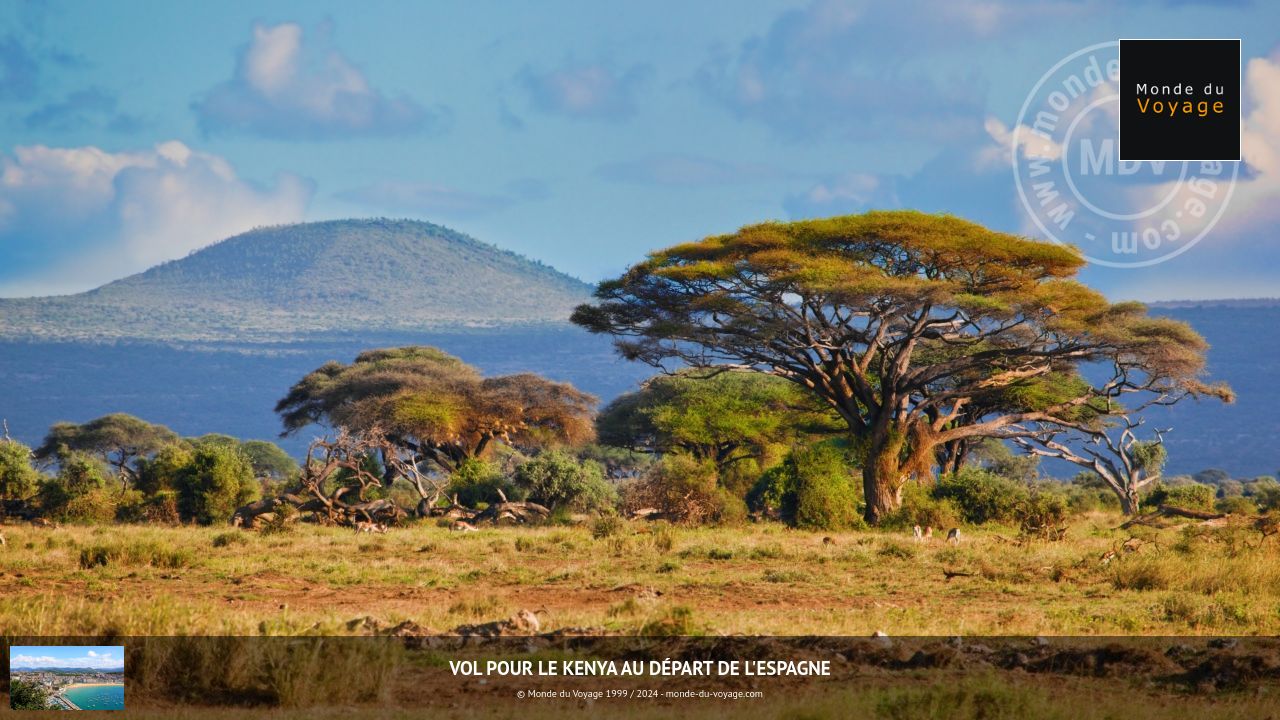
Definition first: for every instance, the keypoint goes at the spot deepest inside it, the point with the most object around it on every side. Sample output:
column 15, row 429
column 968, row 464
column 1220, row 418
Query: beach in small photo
column 66, row 677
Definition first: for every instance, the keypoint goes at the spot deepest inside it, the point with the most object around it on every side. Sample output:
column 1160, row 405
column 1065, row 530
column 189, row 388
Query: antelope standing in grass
column 368, row 527
column 953, row 536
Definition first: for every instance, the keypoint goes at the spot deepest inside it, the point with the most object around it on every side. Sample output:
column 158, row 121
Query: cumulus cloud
column 73, row 218
column 289, row 87
column 90, row 660
column 592, row 91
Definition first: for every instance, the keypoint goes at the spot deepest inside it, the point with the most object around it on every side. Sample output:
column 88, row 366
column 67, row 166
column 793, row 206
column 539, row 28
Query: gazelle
column 953, row 536
column 368, row 527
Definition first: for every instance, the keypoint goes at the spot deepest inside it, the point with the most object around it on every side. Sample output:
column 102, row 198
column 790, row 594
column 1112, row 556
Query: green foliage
column 218, row 480
column 995, row 455
column 729, row 419
column 270, row 460
column 18, row 479
column 24, row 695
column 607, row 526
column 160, row 472
column 477, row 481
column 1236, row 505
column 292, row 281
column 555, row 478
column 980, row 495
column 684, row 490
column 1266, row 495
column 813, row 488
column 118, row 438
column 1193, row 496
column 1042, row 514
column 920, row 507
column 78, row 493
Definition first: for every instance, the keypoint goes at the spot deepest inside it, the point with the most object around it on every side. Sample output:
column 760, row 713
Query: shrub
column 227, row 539
column 680, row 488
column 813, row 488
column 476, row 481
column 160, row 473
column 92, row 507
column 218, row 480
column 1042, row 514
column 607, row 526
column 1236, row 505
column 1266, row 495
column 557, row 479
column 18, row 480
column 1192, row 496
column 920, row 507
column 78, row 493
column 981, row 496
column 136, row 552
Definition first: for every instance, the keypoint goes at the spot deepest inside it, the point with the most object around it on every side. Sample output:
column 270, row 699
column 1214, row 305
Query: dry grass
column 758, row 579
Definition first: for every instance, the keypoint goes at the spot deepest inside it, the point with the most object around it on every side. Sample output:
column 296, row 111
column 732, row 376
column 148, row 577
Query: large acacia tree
column 919, row 330
column 434, row 410
column 119, row 439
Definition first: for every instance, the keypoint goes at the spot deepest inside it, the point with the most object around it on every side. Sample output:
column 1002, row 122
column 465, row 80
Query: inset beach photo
column 66, row 677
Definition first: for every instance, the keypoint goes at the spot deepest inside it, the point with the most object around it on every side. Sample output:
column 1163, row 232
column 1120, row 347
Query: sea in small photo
column 66, row 677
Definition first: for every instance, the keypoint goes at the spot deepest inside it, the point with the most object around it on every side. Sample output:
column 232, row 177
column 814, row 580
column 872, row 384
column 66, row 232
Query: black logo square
column 1179, row 99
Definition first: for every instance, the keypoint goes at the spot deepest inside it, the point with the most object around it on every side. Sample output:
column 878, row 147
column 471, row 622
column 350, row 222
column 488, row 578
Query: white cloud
column 92, row 660
column 73, row 218
column 586, row 90
column 285, row 87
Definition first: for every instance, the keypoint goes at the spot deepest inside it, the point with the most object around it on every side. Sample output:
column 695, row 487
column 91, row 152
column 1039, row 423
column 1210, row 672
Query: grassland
column 757, row 579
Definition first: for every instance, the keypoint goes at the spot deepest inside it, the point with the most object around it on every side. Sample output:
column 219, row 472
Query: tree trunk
column 1129, row 501
column 882, row 476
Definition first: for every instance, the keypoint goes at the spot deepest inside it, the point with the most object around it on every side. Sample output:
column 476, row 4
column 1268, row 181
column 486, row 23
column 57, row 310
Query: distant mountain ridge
column 290, row 281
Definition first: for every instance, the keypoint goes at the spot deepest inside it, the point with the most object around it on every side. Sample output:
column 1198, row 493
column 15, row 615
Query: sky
column 34, row 657
column 582, row 134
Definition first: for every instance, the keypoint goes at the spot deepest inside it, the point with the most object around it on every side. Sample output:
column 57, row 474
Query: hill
column 291, row 281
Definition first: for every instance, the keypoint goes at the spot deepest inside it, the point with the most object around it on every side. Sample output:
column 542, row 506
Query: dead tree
column 1126, row 464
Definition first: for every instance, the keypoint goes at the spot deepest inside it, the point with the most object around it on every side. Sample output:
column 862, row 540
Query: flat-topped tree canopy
column 435, row 405
column 919, row 330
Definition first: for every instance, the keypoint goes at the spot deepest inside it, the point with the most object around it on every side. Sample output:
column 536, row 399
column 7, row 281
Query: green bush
column 1236, row 505
column 18, row 480
column 1266, row 495
column 160, row 473
column 1042, row 514
column 79, row 491
column 476, row 481
column 218, row 480
column 679, row 487
column 981, row 496
column 93, row 507
column 557, row 479
column 607, row 526
column 920, row 507
column 1192, row 496
column 814, row 488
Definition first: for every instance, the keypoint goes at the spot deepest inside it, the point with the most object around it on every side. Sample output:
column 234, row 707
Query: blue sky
column 34, row 657
column 582, row 134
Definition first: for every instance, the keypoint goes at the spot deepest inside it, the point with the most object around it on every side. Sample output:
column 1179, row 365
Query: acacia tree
column 119, row 439
column 902, row 322
column 435, row 410
column 724, row 418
